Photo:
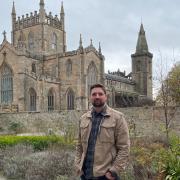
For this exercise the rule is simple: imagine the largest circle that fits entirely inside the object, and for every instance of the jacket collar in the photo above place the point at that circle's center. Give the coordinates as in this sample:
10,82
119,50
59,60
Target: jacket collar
107,112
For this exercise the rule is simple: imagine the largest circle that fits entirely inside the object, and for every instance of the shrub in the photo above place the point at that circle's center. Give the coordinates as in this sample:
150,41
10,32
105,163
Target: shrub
38,142
1,129
171,159
145,158
16,127
13,161
21,162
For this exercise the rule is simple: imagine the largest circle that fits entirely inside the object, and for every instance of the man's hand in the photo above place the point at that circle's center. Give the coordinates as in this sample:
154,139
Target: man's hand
109,176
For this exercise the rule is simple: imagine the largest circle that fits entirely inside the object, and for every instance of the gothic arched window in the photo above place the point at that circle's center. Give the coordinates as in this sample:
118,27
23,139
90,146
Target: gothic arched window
138,66
51,100
31,41
68,68
70,99
32,98
54,41
91,75
6,84
33,67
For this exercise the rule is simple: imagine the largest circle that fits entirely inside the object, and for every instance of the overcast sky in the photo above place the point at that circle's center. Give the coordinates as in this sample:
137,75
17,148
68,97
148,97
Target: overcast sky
115,23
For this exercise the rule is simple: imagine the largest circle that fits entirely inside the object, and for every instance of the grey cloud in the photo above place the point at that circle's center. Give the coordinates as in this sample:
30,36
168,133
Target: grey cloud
113,22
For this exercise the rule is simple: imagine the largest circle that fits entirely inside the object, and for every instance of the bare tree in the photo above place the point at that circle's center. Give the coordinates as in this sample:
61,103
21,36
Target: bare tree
164,97
174,83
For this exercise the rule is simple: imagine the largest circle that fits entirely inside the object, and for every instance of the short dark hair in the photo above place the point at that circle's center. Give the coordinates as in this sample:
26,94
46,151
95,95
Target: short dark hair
98,85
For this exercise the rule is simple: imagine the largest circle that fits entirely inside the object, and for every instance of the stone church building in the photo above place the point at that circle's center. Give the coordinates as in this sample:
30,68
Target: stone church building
37,73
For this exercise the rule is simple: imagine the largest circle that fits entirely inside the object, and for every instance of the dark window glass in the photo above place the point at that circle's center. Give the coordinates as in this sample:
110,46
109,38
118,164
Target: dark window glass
32,95
6,85
70,100
50,101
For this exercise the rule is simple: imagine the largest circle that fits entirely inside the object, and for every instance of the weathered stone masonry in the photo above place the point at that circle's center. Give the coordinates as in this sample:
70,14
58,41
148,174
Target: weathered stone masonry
37,73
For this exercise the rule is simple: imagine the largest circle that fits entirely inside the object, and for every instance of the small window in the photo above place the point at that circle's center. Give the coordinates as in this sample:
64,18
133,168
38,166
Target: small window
68,68
138,66
33,67
31,41
54,41
32,96
70,100
50,100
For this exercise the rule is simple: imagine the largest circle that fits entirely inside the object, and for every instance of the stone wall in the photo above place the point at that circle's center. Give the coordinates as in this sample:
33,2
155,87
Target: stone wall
56,122
143,121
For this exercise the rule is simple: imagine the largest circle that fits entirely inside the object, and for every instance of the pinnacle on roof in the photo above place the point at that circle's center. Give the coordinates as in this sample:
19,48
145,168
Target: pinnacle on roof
41,3
62,8
13,9
91,43
100,48
62,15
80,42
4,34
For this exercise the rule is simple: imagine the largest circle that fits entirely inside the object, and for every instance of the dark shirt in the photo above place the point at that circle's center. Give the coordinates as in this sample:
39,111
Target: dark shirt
89,159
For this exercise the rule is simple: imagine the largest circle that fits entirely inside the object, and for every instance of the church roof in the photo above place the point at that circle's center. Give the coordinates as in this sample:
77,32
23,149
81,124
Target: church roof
119,78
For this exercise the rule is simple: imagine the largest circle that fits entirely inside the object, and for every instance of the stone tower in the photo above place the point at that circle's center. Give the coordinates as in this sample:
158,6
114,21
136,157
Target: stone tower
142,66
42,33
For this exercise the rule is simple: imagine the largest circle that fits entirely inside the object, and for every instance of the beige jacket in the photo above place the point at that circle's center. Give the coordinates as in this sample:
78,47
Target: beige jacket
112,145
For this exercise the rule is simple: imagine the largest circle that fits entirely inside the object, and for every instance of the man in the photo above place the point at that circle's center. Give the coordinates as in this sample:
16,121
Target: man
103,144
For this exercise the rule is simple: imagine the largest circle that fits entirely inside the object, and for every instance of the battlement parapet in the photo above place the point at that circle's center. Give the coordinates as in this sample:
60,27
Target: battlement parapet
34,19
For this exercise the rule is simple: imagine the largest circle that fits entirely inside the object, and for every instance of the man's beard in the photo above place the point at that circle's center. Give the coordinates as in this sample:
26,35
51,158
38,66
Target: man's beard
98,103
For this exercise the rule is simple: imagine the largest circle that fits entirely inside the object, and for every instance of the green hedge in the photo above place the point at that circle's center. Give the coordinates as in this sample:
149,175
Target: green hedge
38,142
